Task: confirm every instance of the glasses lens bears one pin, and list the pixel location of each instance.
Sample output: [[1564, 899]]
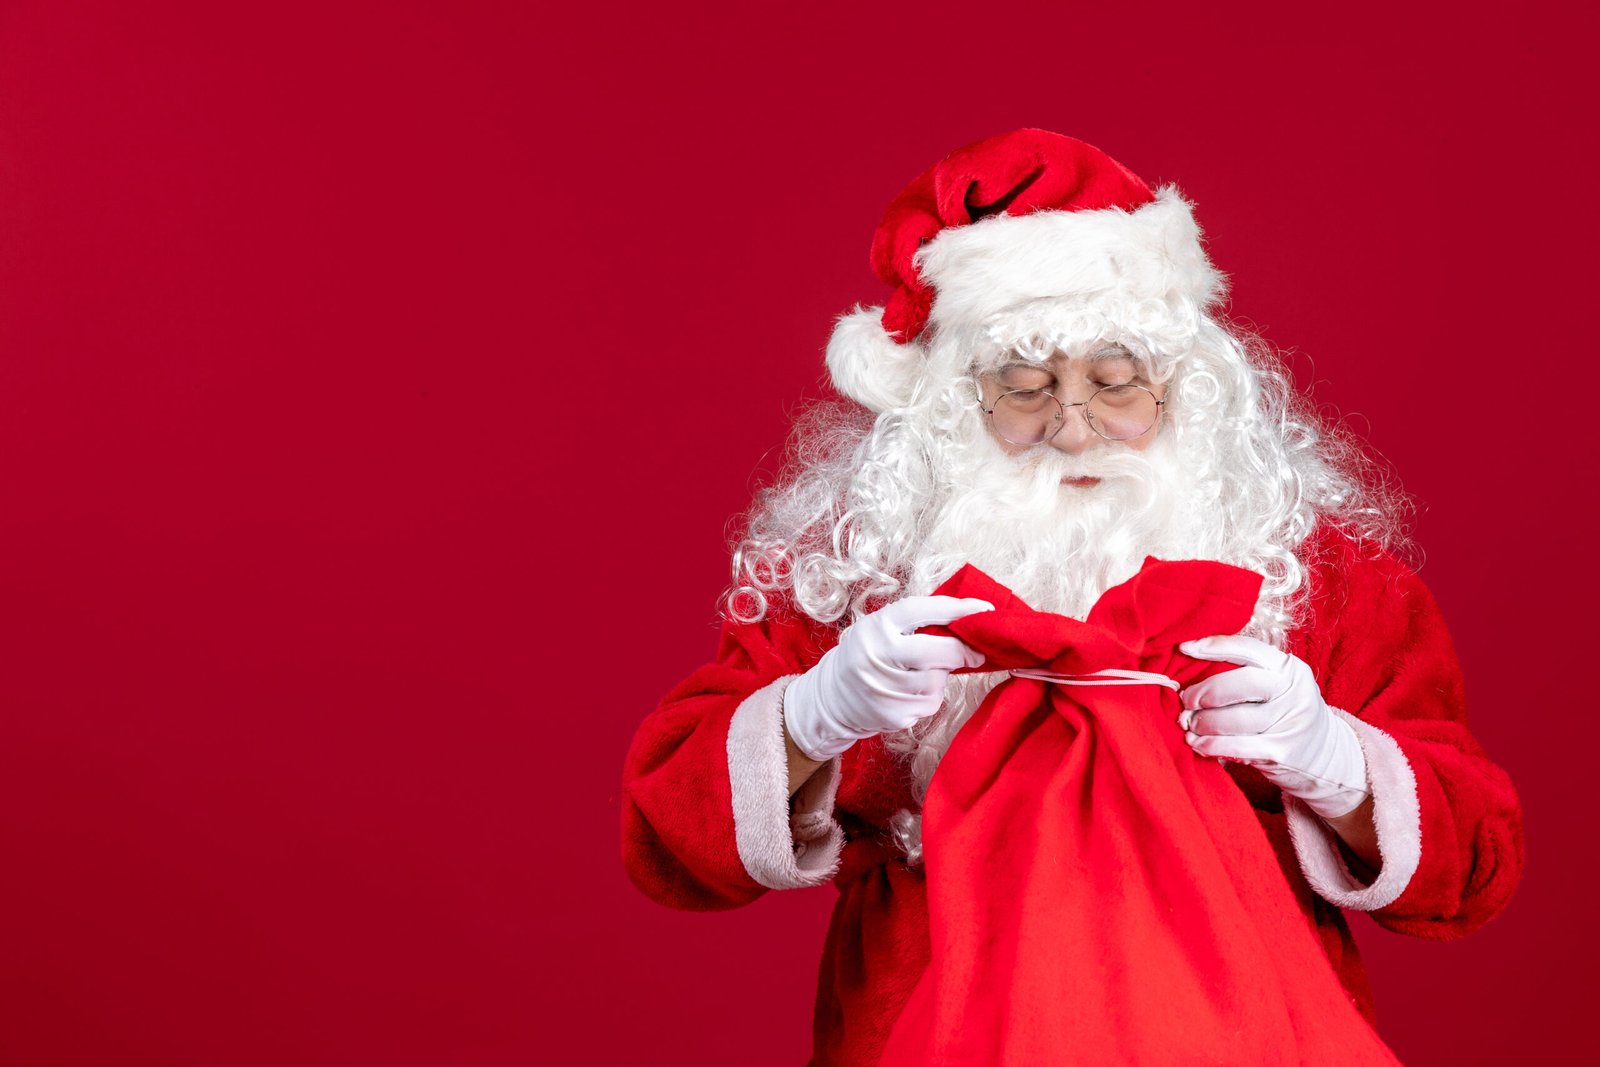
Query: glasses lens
[[1027, 416], [1123, 412]]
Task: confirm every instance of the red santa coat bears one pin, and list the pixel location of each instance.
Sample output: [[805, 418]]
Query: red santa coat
[[708, 823]]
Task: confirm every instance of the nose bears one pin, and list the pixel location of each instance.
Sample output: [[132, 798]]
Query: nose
[[1075, 437]]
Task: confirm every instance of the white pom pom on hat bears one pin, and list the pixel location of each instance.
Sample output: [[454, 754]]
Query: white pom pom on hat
[[1019, 219], [868, 365]]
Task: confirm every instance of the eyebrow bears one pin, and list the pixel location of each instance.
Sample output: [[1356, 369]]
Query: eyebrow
[[1113, 352]]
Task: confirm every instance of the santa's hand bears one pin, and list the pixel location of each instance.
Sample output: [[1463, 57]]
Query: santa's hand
[[1269, 713], [882, 676]]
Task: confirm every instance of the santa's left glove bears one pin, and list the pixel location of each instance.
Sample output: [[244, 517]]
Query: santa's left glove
[[1269, 714]]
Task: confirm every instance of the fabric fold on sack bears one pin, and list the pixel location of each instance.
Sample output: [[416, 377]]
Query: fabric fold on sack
[[1097, 893]]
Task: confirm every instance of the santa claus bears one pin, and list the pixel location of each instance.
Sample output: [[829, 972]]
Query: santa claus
[[1049, 397]]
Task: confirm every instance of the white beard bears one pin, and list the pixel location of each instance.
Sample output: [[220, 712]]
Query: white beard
[[1058, 547]]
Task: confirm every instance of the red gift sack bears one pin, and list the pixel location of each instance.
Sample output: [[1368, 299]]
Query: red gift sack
[[1097, 893]]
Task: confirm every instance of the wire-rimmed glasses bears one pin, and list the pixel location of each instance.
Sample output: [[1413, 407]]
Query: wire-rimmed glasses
[[1033, 416]]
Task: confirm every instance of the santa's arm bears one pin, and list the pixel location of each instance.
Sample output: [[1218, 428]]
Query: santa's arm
[[784, 826], [1359, 831], [1363, 860], [707, 818], [801, 767], [1446, 820]]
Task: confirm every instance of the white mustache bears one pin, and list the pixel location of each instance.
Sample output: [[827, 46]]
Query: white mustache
[[1053, 467]]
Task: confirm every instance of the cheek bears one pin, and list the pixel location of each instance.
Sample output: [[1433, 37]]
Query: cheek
[[1144, 441], [1010, 449], [1005, 446]]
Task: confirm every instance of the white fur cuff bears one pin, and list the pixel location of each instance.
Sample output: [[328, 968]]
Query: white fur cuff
[[1398, 818], [783, 844]]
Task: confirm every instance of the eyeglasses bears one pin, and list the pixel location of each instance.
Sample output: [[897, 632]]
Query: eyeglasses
[[1034, 416]]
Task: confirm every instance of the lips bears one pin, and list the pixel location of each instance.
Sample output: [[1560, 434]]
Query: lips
[[1080, 482]]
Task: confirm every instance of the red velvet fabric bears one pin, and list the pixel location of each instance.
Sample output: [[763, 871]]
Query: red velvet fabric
[[1014, 173], [1092, 885], [1379, 649]]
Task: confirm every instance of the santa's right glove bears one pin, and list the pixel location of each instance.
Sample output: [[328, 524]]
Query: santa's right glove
[[881, 677]]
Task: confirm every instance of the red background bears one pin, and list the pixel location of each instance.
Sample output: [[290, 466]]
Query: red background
[[378, 380]]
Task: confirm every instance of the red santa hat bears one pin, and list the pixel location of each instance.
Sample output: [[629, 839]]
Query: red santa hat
[[1008, 226]]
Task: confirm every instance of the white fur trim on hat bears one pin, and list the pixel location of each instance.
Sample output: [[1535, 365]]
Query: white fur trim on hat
[[1150, 254], [868, 366]]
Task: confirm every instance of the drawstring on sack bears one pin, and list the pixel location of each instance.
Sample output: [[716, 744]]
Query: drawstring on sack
[[1109, 676]]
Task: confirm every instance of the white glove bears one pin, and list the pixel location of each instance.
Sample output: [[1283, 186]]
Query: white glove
[[1269, 713], [881, 676]]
